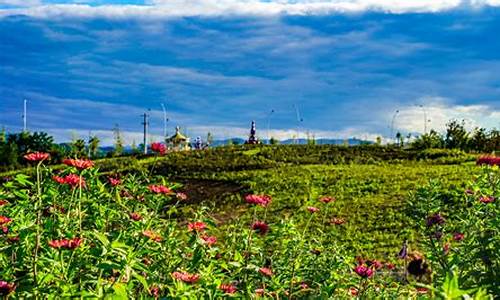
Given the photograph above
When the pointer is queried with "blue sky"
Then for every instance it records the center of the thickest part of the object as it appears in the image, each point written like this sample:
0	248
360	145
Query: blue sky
347	65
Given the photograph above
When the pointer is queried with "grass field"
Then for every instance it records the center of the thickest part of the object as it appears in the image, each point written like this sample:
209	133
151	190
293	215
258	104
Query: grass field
137	236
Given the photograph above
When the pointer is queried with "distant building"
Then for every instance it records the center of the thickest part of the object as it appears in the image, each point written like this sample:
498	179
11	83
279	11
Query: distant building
178	141
252	139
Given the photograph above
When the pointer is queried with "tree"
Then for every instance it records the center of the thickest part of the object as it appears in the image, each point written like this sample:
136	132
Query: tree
118	141
93	146
78	148
399	139
274	141
3	136
457	136
429	140
479	139
210	139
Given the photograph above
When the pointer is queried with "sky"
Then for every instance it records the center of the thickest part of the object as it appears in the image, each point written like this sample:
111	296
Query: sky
327	68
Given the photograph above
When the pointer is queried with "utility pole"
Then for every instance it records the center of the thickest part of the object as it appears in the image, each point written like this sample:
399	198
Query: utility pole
145	122
425	118
24	115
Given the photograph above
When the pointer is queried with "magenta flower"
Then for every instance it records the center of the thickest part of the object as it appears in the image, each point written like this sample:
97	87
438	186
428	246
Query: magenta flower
435	219
37	156
260	227
261	200
487	199
363	271
228	288
312	209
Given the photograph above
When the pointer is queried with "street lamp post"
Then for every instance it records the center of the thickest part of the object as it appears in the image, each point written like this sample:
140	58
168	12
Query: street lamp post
425	118
392	123
269	125
165	120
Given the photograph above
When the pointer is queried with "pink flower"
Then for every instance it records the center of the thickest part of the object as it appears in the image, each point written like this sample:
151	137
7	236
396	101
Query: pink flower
209	240
80	164
304	286
114	181
312	209
159	189
457	236
186	277
159	148
152	235
69	244
37	156
259	292
6	288
327	199
261	200
266	272
374	264
486	199
135	216
197	226
4	220
260	227
228	288
337	221
363	271
154	291
181	196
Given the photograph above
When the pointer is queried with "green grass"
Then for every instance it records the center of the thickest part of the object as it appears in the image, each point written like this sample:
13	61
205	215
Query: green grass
371	198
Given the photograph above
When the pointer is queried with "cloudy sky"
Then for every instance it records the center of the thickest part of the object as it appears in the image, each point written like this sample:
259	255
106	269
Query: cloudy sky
345	66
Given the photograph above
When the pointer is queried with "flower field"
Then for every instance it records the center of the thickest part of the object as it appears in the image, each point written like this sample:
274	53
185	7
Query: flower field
404	229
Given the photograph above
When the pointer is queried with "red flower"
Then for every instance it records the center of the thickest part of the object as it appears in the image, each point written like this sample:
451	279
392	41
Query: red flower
3	202
74	180
58	179
374	264
4	220
312	209
114	181
197	226
260	227
37	156
327	199
80	164
154	291
261	200
390	266
486	199
69	244
363	271
159	189
457	236
488	160
135	216
422	290
353	291
152	235
13	239
337	221
266	272
228	288
158	148
446	248
181	196
5	229
186	277
6	288
209	240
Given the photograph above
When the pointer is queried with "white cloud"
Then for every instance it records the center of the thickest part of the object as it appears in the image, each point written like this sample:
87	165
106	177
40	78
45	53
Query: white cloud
439	112
20	2
182	8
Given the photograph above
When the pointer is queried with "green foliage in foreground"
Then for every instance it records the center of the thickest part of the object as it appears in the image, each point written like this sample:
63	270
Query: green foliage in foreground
306	254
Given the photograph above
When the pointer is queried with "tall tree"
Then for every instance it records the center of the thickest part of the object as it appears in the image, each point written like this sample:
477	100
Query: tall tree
456	135
93	146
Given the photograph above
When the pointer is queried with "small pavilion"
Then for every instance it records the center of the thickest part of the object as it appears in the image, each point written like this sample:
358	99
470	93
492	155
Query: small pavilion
178	141
252	139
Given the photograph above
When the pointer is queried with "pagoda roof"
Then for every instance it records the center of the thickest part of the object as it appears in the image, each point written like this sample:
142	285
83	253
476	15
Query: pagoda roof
177	136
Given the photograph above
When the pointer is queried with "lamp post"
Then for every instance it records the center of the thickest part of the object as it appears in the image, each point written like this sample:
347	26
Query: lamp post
425	118
25	115
165	120
269	125
392	123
